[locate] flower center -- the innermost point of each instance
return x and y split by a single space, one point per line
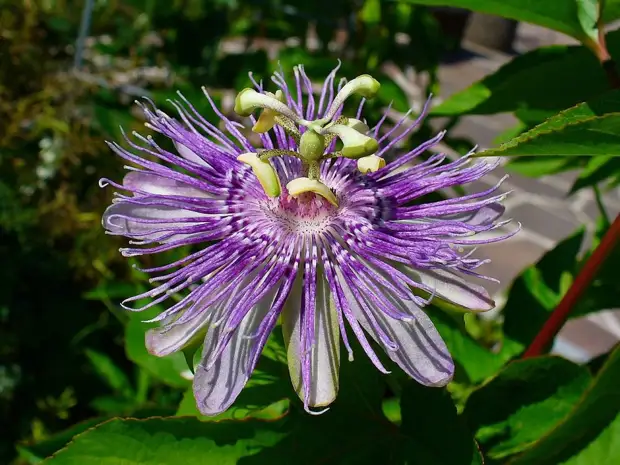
308 213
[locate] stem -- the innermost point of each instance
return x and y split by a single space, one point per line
601 52
609 66
585 276
314 170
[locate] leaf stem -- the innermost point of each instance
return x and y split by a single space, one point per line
585 276
601 52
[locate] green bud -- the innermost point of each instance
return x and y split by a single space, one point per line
355 144
358 151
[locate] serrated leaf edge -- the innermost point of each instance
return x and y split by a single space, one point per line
528 136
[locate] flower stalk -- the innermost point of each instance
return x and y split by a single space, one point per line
584 278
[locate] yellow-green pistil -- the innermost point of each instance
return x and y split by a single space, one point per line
313 142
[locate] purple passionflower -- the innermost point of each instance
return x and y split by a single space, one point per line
313 227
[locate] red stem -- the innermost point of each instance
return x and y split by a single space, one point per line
585 276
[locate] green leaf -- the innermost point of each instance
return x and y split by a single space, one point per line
113 405
541 166
604 292
585 129
109 120
594 136
611 10
392 93
523 402
159 441
535 85
111 290
587 430
112 375
572 17
171 369
36 452
253 402
440 436
605 448
477 362
598 169
510 133
371 12
354 431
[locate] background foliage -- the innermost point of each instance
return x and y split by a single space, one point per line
74 368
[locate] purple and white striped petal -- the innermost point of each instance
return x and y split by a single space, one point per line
324 354
217 387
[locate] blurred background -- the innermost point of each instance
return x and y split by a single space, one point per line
69 73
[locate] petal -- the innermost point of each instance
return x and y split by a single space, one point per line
421 352
171 338
124 218
485 215
188 154
325 354
453 288
215 389
154 184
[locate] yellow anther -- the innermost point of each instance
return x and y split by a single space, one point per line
371 163
302 185
355 144
265 173
267 118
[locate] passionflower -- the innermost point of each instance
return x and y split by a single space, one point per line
311 226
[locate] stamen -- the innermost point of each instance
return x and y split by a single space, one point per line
264 172
356 144
364 85
370 163
249 100
267 120
267 154
302 185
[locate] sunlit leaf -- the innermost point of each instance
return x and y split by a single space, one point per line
576 18
589 128
537 84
